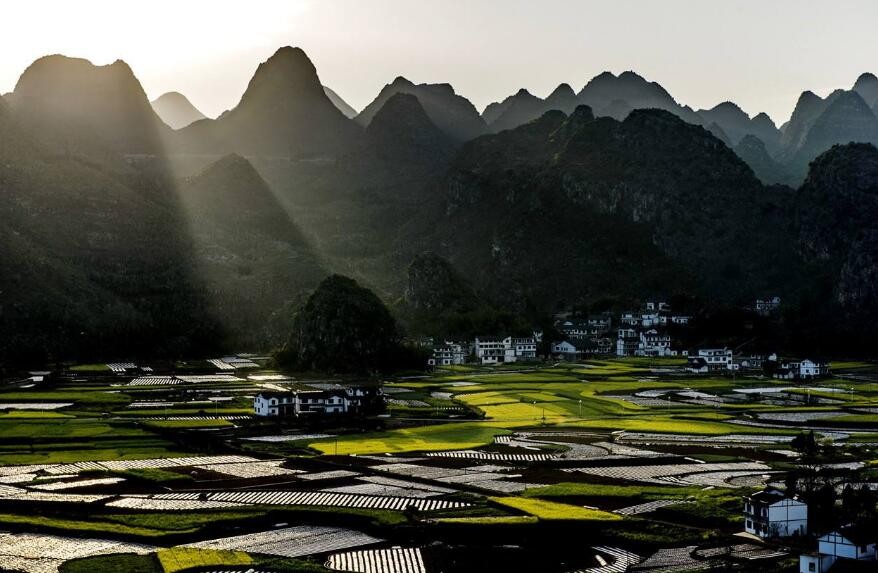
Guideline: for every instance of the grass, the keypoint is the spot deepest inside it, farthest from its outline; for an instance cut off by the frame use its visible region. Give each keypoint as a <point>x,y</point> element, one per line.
<point>90,368</point>
<point>187,424</point>
<point>490,520</point>
<point>578,489</point>
<point>182,558</point>
<point>8,520</point>
<point>553,511</point>
<point>425,438</point>
<point>119,563</point>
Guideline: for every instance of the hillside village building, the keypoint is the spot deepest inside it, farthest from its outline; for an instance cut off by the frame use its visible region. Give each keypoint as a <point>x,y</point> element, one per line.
<point>448,354</point>
<point>770,513</point>
<point>497,350</point>
<point>710,360</point>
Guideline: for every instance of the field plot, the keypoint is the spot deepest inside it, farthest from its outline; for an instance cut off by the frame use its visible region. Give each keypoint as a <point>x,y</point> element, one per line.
<point>673,473</point>
<point>62,485</point>
<point>393,560</point>
<point>478,455</point>
<point>154,381</point>
<point>254,469</point>
<point>314,498</point>
<point>153,504</point>
<point>390,487</point>
<point>37,553</point>
<point>291,541</point>
<point>650,506</point>
<point>34,405</point>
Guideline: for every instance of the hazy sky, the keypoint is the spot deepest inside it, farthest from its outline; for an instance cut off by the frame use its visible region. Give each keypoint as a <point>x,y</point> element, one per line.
<point>759,53</point>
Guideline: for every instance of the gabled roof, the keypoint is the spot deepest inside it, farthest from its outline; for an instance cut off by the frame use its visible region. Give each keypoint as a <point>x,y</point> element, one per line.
<point>858,534</point>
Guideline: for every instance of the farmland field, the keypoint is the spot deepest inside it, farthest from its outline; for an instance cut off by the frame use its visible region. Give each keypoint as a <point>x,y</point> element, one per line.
<point>630,452</point>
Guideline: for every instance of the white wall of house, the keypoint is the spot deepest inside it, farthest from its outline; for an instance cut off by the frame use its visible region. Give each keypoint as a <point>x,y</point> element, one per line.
<point>838,545</point>
<point>783,518</point>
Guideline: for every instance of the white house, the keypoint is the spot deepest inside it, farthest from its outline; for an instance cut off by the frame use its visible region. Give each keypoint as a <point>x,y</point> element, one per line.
<point>851,543</point>
<point>316,399</point>
<point>653,343</point>
<point>627,342</point>
<point>496,350</point>
<point>771,513</point>
<point>448,354</point>
<point>716,358</point>
<point>490,350</point>
<point>814,368</point>
<point>525,348</point>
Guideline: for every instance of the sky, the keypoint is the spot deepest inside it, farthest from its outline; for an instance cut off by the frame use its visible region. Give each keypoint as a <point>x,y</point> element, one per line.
<point>761,54</point>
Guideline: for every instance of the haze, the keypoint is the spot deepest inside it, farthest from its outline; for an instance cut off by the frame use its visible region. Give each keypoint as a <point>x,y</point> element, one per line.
<point>759,54</point>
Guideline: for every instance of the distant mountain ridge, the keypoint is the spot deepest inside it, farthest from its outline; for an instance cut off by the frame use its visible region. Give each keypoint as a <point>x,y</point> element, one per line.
<point>284,112</point>
<point>451,113</point>
<point>176,110</point>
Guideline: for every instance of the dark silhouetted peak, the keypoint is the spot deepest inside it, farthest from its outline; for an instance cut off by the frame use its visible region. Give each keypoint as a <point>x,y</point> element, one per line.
<point>399,82</point>
<point>289,72</point>
<point>867,86</point>
<point>435,286</point>
<point>601,91</point>
<point>735,123</point>
<point>451,113</point>
<point>518,109</point>
<point>838,222</point>
<point>755,154</point>
<point>401,130</point>
<point>846,119</point>
<point>852,167</point>
<point>762,121</point>
<point>562,98</point>
<point>808,107</point>
<point>72,104</point>
<point>341,104</point>
<point>176,110</point>
<point>284,112</point>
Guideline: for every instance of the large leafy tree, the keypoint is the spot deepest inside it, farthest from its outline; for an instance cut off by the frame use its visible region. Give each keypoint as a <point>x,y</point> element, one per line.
<point>343,327</point>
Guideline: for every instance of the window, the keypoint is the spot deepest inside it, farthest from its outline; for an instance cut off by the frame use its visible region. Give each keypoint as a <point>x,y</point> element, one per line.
<point>812,566</point>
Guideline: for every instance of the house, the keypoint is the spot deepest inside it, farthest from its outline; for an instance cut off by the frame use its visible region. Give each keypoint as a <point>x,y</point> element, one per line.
<point>490,350</point>
<point>627,342</point>
<point>524,348</point>
<point>565,350</point>
<point>849,544</point>
<point>680,319</point>
<point>697,365</point>
<point>753,362</point>
<point>630,319</point>
<point>809,369</point>
<point>318,399</point>
<point>714,358</point>
<point>576,349</point>
<point>448,354</point>
<point>653,343</point>
<point>496,350</point>
<point>771,513</point>
<point>574,328</point>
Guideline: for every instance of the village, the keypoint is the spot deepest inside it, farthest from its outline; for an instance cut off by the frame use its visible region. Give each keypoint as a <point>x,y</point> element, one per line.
<point>645,333</point>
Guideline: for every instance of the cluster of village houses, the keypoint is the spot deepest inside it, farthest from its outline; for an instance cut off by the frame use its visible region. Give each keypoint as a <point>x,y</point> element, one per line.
<point>771,514</point>
<point>642,333</point>
<point>304,401</point>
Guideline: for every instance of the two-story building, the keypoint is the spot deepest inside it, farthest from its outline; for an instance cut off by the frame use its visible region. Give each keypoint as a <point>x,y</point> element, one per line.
<point>771,513</point>
<point>710,360</point>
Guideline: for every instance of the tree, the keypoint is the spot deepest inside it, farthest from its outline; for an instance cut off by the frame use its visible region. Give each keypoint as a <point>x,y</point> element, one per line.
<point>343,328</point>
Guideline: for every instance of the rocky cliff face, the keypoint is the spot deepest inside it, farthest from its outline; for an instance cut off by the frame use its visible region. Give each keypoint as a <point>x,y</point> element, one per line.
<point>838,222</point>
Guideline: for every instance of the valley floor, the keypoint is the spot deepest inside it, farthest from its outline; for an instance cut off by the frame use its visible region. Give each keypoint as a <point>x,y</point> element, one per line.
<point>602,466</point>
